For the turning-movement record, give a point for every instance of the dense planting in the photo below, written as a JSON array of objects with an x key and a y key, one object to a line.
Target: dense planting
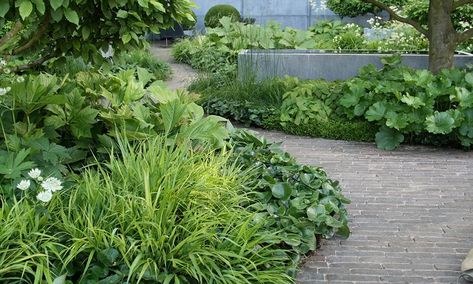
[
  {"x": 217, "y": 51},
  {"x": 412, "y": 102}
]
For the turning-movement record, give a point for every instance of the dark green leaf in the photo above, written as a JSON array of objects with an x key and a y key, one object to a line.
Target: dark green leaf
[
  {"x": 281, "y": 190},
  {"x": 388, "y": 138}
]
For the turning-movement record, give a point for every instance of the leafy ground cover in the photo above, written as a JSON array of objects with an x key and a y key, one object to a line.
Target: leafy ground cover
[
  {"x": 390, "y": 106},
  {"x": 106, "y": 176}
]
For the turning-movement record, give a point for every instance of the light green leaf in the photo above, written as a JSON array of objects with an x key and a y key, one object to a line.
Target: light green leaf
[
  {"x": 412, "y": 101},
  {"x": 158, "y": 6},
  {"x": 4, "y": 8},
  {"x": 26, "y": 7},
  {"x": 126, "y": 38},
  {"x": 72, "y": 16},
  {"x": 122, "y": 14},
  {"x": 281, "y": 190},
  {"x": 388, "y": 138},
  {"x": 376, "y": 112},
  {"x": 440, "y": 123},
  {"x": 172, "y": 113},
  {"x": 40, "y": 6},
  {"x": 469, "y": 78},
  {"x": 56, "y": 3},
  {"x": 464, "y": 97}
]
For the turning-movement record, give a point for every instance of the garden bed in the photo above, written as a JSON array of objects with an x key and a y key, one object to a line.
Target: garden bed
[{"x": 321, "y": 64}]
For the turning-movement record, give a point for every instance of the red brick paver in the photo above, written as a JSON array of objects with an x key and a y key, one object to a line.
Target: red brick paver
[{"x": 411, "y": 214}]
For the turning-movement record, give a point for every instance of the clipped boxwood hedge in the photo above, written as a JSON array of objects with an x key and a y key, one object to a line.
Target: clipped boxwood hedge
[{"x": 217, "y": 12}]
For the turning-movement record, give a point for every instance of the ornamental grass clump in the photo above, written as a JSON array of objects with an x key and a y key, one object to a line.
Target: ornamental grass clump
[{"x": 163, "y": 213}]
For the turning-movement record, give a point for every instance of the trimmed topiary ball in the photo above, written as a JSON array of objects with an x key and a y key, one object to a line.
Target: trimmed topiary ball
[{"x": 217, "y": 12}]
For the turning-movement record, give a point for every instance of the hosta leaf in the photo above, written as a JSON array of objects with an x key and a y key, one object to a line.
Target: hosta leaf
[
  {"x": 4, "y": 8},
  {"x": 388, "y": 138},
  {"x": 376, "y": 112},
  {"x": 281, "y": 190},
  {"x": 26, "y": 7},
  {"x": 440, "y": 123},
  {"x": 172, "y": 113}
]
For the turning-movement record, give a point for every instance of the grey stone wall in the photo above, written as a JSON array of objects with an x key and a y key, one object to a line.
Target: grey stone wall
[{"x": 294, "y": 13}]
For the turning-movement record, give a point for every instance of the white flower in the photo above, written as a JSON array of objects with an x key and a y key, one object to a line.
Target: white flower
[
  {"x": 3, "y": 91},
  {"x": 3, "y": 62},
  {"x": 20, "y": 79},
  {"x": 107, "y": 54},
  {"x": 35, "y": 173},
  {"x": 52, "y": 184},
  {"x": 44, "y": 196},
  {"x": 24, "y": 184}
]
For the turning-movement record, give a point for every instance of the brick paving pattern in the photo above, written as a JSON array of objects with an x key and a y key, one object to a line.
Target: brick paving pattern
[{"x": 411, "y": 214}]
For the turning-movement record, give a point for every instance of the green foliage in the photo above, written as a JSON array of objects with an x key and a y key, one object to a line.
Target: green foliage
[
  {"x": 213, "y": 16},
  {"x": 162, "y": 213},
  {"x": 300, "y": 201},
  {"x": 83, "y": 28},
  {"x": 353, "y": 8},
  {"x": 61, "y": 122},
  {"x": 407, "y": 102},
  {"x": 142, "y": 59},
  {"x": 296, "y": 107}
]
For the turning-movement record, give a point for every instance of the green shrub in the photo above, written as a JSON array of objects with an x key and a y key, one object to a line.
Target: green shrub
[
  {"x": 217, "y": 12},
  {"x": 144, "y": 59},
  {"x": 353, "y": 8},
  {"x": 411, "y": 103},
  {"x": 293, "y": 106}
]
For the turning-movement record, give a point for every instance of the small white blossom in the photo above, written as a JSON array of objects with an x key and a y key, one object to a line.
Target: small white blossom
[
  {"x": 35, "y": 173},
  {"x": 3, "y": 91},
  {"x": 24, "y": 184},
  {"x": 52, "y": 184},
  {"x": 20, "y": 79},
  {"x": 7, "y": 71},
  {"x": 45, "y": 196},
  {"x": 3, "y": 62}
]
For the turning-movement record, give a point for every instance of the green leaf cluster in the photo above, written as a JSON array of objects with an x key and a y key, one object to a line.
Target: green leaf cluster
[
  {"x": 300, "y": 201},
  {"x": 407, "y": 102}
]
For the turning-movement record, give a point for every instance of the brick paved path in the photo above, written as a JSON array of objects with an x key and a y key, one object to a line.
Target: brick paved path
[{"x": 411, "y": 212}]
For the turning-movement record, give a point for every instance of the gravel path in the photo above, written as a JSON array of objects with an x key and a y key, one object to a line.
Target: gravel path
[
  {"x": 411, "y": 213},
  {"x": 182, "y": 75}
]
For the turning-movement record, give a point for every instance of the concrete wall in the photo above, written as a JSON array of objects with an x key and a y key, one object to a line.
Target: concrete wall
[
  {"x": 314, "y": 64},
  {"x": 294, "y": 13}
]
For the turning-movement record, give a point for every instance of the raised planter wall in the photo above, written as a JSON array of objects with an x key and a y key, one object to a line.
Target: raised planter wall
[{"x": 316, "y": 64}]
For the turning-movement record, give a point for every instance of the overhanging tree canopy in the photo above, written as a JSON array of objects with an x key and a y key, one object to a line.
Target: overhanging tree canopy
[
  {"x": 50, "y": 28},
  {"x": 440, "y": 29}
]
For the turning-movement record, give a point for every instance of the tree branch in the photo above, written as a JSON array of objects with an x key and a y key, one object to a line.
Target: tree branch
[
  {"x": 460, "y": 3},
  {"x": 37, "y": 36},
  {"x": 398, "y": 18},
  {"x": 13, "y": 32},
  {"x": 464, "y": 36},
  {"x": 33, "y": 64}
]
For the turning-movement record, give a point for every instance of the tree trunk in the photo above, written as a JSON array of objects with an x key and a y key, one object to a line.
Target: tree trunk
[{"x": 442, "y": 35}]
